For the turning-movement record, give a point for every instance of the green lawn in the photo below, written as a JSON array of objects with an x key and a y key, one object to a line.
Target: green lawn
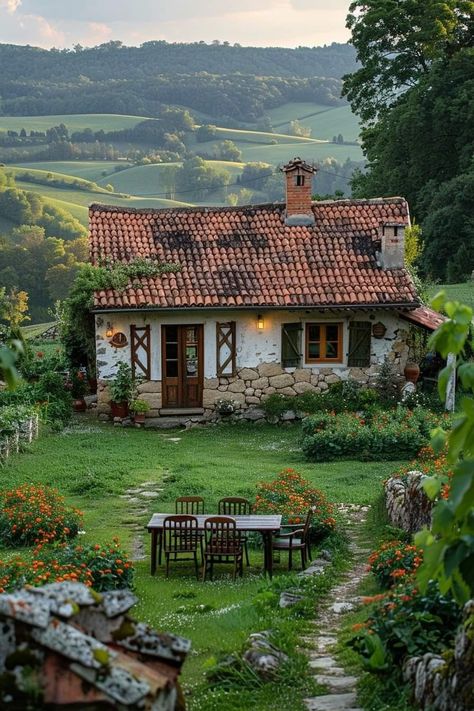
[
  {"x": 324, "y": 121},
  {"x": 74, "y": 122},
  {"x": 93, "y": 464}
]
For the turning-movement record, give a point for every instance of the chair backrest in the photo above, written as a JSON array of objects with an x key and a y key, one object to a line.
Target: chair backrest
[
  {"x": 234, "y": 506},
  {"x": 221, "y": 534},
  {"x": 307, "y": 525},
  {"x": 192, "y": 505},
  {"x": 180, "y": 533}
]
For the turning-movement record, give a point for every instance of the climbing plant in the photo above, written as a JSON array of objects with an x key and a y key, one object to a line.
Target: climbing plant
[{"x": 449, "y": 545}]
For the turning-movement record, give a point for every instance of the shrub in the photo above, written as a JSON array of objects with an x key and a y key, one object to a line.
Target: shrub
[
  {"x": 395, "y": 434},
  {"x": 292, "y": 496},
  {"x": 406, "y": 622},
  {"x": 100, "y": 567},
  {"x": 36, "y": 514},
  {"x": 122, "y": 387},
  {"x": 55, "y": 398},
  {"x": 36, "y": 362},
  {"x": 394, "y": 561},
  {"x": 430, "y": 464}
]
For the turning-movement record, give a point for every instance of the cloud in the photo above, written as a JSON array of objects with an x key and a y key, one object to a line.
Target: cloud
[{"x": 11, "y": 6}]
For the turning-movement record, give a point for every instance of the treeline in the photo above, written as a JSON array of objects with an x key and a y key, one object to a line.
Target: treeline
[
  {"x": 419, "y": 138},
  {"x": 232, "y": 98},
  {"x": 113, "y": 60},
  {"x": 42, "y": 251}
]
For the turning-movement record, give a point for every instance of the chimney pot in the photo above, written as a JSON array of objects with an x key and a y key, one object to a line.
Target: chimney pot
[{"x": 299, "y": 177}]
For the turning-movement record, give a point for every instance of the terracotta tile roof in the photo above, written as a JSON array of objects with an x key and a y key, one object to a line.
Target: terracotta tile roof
[
  {"x": 426, "y": 317},
  {"x": 247, "y": 256}
]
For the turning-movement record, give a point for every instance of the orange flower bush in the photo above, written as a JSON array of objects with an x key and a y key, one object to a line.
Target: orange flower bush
[
  {"x": 292, "y": 496},
  {"x": 36, "y": 514},
  {"x": 431, "y": 464},
  {"x": 394, "y": 561},
  {"x": 102, "y": 567}
]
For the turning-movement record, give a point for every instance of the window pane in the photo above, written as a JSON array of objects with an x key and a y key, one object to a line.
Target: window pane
[
  {"x": 191, "y": 360},
  {"x": 191, "y": 334},
  {"x": 314, "y": 332},
  {"x": 331, "y": 349},
  {"x": 332, "y": 332},
  {"x": 313, "y": 350},
  {"x": 171, "y": 368},
  {"x": 172, "y": 333},
  {"x": 171, "y": 350}
]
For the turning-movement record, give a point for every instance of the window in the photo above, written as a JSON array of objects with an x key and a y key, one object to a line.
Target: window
[
  {"x": 291, "y": 345},
  {"x": 324, "y": 342},
  {"x": 299, "y": 180},
  {"x": 226, "y": 349},
  {"x": 360, "y": 342}
]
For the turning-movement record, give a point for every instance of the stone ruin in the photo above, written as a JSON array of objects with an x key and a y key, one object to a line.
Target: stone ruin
[
  {"x": 64, "y": 645},
  {"x": 408, "y": 506}
]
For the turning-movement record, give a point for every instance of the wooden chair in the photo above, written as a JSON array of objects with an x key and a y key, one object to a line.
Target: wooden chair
[
  {"x": 236, "y": 506},
  {"x": 180, "y": 537},
  {"x": 223, "y": 541},
  {"x": 190, "y": 505},
  {"x": 296, "y": 540}
]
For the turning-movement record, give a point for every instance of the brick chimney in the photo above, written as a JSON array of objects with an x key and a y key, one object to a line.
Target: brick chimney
[
  {"x": 392, "y": 255},
  {"x": 299, "y": 179}
]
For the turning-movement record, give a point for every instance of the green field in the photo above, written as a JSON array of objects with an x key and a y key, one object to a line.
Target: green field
[
  {"x": 324, "y": 121},
  {"x": 309, "y": 150},
  {"x": 247, "y": 136},
  {"x": 87, "y": 169},
  {"x": 74, "y": 122},
  {"x": 457, "y": 292}
]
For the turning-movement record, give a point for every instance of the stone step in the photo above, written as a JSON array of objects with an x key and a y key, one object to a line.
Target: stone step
[
  {"x": 323, "y": 662},
  {"x": 336, "y": 684},
  {"x": 332, "y": 702}
]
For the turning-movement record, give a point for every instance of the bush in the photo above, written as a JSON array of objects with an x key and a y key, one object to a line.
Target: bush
[
  {"x": 393, "y": 561},
  {"x": 36, "y": 362},
  {"x": 55, "y": 398},
  {"x": 292, "y": 496},
  {"x": 406, "y": 622},
  {"x": 345, "y": 396},
  {"x": 100, "y": 567},
  {"x": 36, "y": 514},
  {"x": 395, "y": 434}
]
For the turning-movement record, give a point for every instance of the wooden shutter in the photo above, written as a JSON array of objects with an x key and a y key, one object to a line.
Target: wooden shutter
[
  {"x": 226, "y": 349},
  {"x": 140, "y": 351},
  {"x": 359, "y": 344},
  {"x": 291, "y": 345}
]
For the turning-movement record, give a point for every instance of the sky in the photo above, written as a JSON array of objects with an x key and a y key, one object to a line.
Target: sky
[{"x": 64, "y": 23}]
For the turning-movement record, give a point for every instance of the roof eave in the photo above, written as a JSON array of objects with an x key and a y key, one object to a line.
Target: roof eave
[{"x": 401, "y": 306}]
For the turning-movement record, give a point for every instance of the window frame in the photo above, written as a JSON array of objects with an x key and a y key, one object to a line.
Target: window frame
[{"x": 323, "y": 340}]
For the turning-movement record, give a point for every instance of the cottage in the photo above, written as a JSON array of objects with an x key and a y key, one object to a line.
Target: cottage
[{"x": 268, "y": 298}]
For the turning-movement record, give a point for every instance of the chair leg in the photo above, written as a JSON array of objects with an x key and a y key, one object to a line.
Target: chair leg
[
  {"x": 167, "y": 557},
  {"x": 246, "y": 547},
  {"x": 160, "y": 547},
  {"x": 196, "y": 567},
  {"x": 303, "y": 559},
  {"x": 309, "y": 550},
  {"x": 290, "y": 558}
]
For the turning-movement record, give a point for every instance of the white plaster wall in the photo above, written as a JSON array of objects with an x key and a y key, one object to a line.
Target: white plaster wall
[{"x": 254, "y": 347}]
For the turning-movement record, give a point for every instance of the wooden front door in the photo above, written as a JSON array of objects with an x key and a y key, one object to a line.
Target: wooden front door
[{"x": 182, "y": 366}]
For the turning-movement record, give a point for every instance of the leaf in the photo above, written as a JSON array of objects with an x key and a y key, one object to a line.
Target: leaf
[
  {"x": 432, "y": 486},
  {"x": 453, "y": 556},
  {"x": 437, "y": 302},
  {"x": 438, "y": 439},
  {"x": 443, "y": 379}
]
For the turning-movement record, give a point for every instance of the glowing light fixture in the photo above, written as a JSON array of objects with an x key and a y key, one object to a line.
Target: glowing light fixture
[
  {"x": 110, "y": 330},
  {"x": 260, "y": 322}
]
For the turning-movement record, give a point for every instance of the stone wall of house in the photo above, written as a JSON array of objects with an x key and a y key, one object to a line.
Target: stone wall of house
[
  {"x": 446, "y": 683},
  {"x": 407, "y": 504}
]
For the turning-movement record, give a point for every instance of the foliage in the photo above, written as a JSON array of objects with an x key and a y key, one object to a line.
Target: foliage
[
  {"x": 292, "y": 496},
  {"x": 449, "y": 546},
  {"x": 413, "y": 245},
  {"x": 432, "y": 464},
  {"x": 77, "y": 383},
  {"x": 386, "y": 383},
  {"x": 55, "y": 399},
  {"x": 36, "y": 362},
  {"x": 14, "y": 307},
  {"x": 394, "y": 562},
  {"x": 139, "y": 406},
  {"x": 122, "y": 386},
  {"x": 103, "y": 567},
  {"x": 406, "y": 622},
  {"x": 34, "y": 514},
  {"x": 347, "y": 395},
  {"x": 12, "y": 416},
  {"x": 394, "y": 434}
]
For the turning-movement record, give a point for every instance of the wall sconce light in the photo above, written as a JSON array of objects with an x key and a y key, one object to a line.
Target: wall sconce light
[
  {"x": 260, "y": 322},
  {"x": 110, "y": 330}
]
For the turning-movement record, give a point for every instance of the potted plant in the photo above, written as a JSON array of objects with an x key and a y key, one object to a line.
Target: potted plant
[
  {"x": 139, "y": 409},
  {"x": 121, "y": 390},
  {"x": 225, "y": 407},
  {"x": 78, "y": 386}
]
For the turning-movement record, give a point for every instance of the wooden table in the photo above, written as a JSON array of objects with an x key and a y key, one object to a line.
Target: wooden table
[{"x": 256, "y": 523}]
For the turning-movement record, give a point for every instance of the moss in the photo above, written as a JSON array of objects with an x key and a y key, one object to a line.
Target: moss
[{"x": 126, "y": 629}]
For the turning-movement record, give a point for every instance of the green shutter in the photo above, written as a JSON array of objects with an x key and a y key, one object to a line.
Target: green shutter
[
  {"x": 359, "y": 344},
  {"x": 291, "y": 345}
]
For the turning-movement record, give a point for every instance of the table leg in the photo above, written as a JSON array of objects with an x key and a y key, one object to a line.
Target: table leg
[
  {"x": 154, "y": 541},
  {"x": 268, "y": 554}
]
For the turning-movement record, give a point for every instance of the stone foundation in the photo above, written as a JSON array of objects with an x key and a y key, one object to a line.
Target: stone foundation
[{"x": 407, "y": 504}]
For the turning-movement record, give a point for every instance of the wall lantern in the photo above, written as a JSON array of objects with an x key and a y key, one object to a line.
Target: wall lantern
[
  {"x": 379, "y": 330},
  {"x": 110, "y": 330},
  {"x": 260, "y": 322}
]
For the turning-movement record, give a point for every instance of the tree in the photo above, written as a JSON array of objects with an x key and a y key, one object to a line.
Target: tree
[
  {"x": 397, "y": 43},
  {"x": 229, "y": 151},
  {"x": 14, "y": 308}
]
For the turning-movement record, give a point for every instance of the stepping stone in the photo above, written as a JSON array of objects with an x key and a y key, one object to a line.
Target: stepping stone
[
  {"x": 332, "y": 702},
  {"x": 340, "y": 607},
  {"x": 323, "y": 643},
  {"x": 149, "y": 494},
  {"x": 336, "y": 684},
  {"x": 316, "y": 662}
]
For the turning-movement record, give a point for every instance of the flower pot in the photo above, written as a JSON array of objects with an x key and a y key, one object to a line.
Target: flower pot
[
  {"x": 139, "y": 418},
  {"x": 119, "y": 409},
  {"x": 79, "y": 405},
  {"x": 412, "y": 372}
]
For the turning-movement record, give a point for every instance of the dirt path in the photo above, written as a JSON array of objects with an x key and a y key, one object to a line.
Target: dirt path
[{"x": 341, "y": 686}]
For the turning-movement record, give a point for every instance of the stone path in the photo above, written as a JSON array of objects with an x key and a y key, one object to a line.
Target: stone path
[
  {"x": 341, "y": 686},
  {"x": 137, "y": 499}
]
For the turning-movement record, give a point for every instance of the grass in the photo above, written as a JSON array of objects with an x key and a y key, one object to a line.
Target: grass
[
  {"x": 36, "y": 329},
  {"x": 463, "y": 292},
  {"x": 324, "y": 121},
  {"x": 87, "y": 169},
  {"x": 74, "y": 122},
  {"x": 93, "y": 464}
]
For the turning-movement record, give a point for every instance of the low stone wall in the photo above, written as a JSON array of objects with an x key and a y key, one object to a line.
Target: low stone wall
[
  {"x": 446, "y": 683},
  {"x": 408, "y": 507}
]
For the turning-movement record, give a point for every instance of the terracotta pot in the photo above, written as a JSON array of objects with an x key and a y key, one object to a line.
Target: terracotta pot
[
  {"x": 412, "y": 372},
  {"x": 119, "y": 409},
  {"x": 139, "y": 418},
  {"x": 79, "y": 405}
]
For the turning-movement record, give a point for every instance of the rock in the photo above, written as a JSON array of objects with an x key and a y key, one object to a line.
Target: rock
[
  {"x": 248, "y": 374},
  {"x": 287, "y": 391},
  {"x": 211, "y": 383},
  {"x": 303, "y": 387},
  {"x": 249, "y": 391},
  {"x": 264, "y": 658},
  {"x": 332, "y": 702},
  {"x": 336, "y": 684},
  {"x": 288, "y": 415},
  {"x": 325, "y": 663},
  {"x": 209, "y": 397},
  {"x": 314, "y": 379},
  {"x": 340, "y": 607},
  {"x": 288, "y": 599},
  {"x": 150, "y": 386},
  {"x": 260, "y": 383},
  {"x": 302, "y": 375},
  {"x": 254, "y": 414},
  {"x": 269, "y": 369},
  {"x": 323, "y": 385},
  {"x": 281, "y": 381},
  {"x": 312, "y": 570},
  {"x": 333, "y": 378},
  {"x": 269, "y": 391},
  {"x": 238, "y": 386},
  {"x": 250, "y": 400},
  {"x": 325, "y": 554},
  {"x": 90, "y": 400}
]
